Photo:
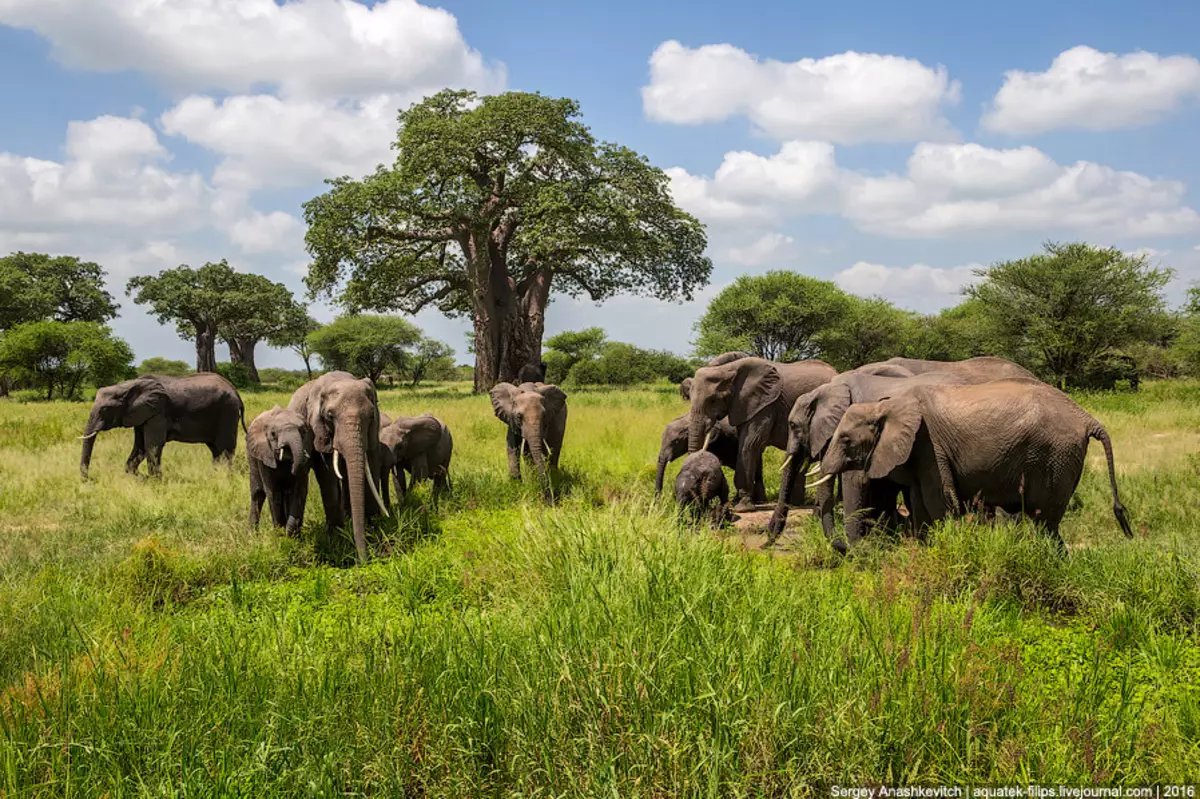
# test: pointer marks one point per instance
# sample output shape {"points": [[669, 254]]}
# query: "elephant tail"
{"points": [[242, 416], [1097, 431]]}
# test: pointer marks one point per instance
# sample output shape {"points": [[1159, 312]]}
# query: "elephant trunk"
{"points": [[697, 430], [94, 426], [356, 475], [531, 432], [664, 457], [295, 447]]}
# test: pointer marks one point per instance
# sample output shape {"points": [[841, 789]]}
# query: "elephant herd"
{"points": [[942, 435], [946, 436]]}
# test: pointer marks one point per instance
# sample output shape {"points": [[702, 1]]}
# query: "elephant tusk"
{"points": [[549, 450], [374, 490], [816, 469], [281, 453], [89, 435], [524, 446], [786, 461], [708, 438], [336, 471], [824, 479]]}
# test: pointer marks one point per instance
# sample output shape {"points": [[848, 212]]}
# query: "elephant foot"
{"points": [[744, 505]]}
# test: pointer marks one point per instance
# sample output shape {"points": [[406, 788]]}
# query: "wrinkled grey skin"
{"points": [[532, 373], [699, 482], [279, 446], [343, 413], [421, 446], [197, 409], [1016, 444], [724, 445], [536, 416], [756, 395], [814, 417], [973, 370]]}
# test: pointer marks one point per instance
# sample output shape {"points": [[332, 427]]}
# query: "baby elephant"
{"points": [[699, 482], [279, 444], [421, 446], [536, 417]]}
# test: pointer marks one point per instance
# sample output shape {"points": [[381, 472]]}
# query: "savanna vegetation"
{"points": [[150, 643]]}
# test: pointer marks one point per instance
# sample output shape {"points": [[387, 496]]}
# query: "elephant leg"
{"points": [[760, 487], [514, 463], [331, 494], [398, 483], [857, 508], [752, 440], [257, 495], [156, 438], [138, 453], [278, 507]]}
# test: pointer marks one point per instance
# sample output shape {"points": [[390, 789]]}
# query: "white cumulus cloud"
{"points": [[846, 98], [770, 248], [1085, 88], [919, 287], [947, 189], [270, 232]]}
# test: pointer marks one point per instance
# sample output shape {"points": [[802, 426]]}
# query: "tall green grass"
{"points": [[151, 644]]}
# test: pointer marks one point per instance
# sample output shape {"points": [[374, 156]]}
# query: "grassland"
{"points": [[150, 644]]}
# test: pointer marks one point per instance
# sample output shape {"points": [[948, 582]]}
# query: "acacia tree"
{"points": [[1073, 306], [366, 345], [61, 356], [293, 334], [779, 316], [430, 356], [194, 300], [257, 309], [35, 287], [492, 203]]}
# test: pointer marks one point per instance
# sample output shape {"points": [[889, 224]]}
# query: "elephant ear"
{"points": [[144, 400], [898, 423], [424, 434], [554, 398], [829, 406], [257, 446], [756, 386], [504, 397]]}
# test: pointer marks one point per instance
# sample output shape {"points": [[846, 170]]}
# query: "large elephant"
{"points": [[536, 415], [343, 413], [811, 423], [685, 386], [1018, 445], [756, 395], [197, 409], [723, 444], [975, 370], [279, 444], [421, 446]]}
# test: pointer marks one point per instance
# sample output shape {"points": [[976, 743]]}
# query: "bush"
{"points": [[163, 366], [59, 358], [624, 365], [235, 373]]}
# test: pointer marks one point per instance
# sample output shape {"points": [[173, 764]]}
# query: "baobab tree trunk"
{"points": [[206, 349], [241, 350]]}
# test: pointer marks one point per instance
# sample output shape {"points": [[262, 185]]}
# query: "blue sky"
{"points": [[890, 147]]}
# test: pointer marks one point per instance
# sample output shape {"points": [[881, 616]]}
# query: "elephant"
{"points": [[685, 387], [811, 423], [1016, 444], [536, 415], [532, 373], [202, 408], [699, 482], [975, 370], [421, 446], [343, 413], [723, 444], [279, 445], [756, 395]]}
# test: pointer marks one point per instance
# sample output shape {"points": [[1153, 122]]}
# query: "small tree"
{"points": [[493, 203], [431, 358], [36, 287], [294, 334], [620, 364], [569, 348], [871, 330], [257, 309], [963, 331], [1074, 306], [779, 316], [162, 366], [60, 357], [365, 345]]}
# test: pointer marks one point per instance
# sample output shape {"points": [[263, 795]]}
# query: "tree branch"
{"points": [[375, 232]]}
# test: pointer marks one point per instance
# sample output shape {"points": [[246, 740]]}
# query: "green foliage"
{"points": [[235, 373], [431, 360], [293, 334], [163, 366], [568, 348], [365, 345], [497, 196], [1073, 307], [36, 287], [779, 316], [59, 358], [869, 330], [620, 364], [957, 333]]}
